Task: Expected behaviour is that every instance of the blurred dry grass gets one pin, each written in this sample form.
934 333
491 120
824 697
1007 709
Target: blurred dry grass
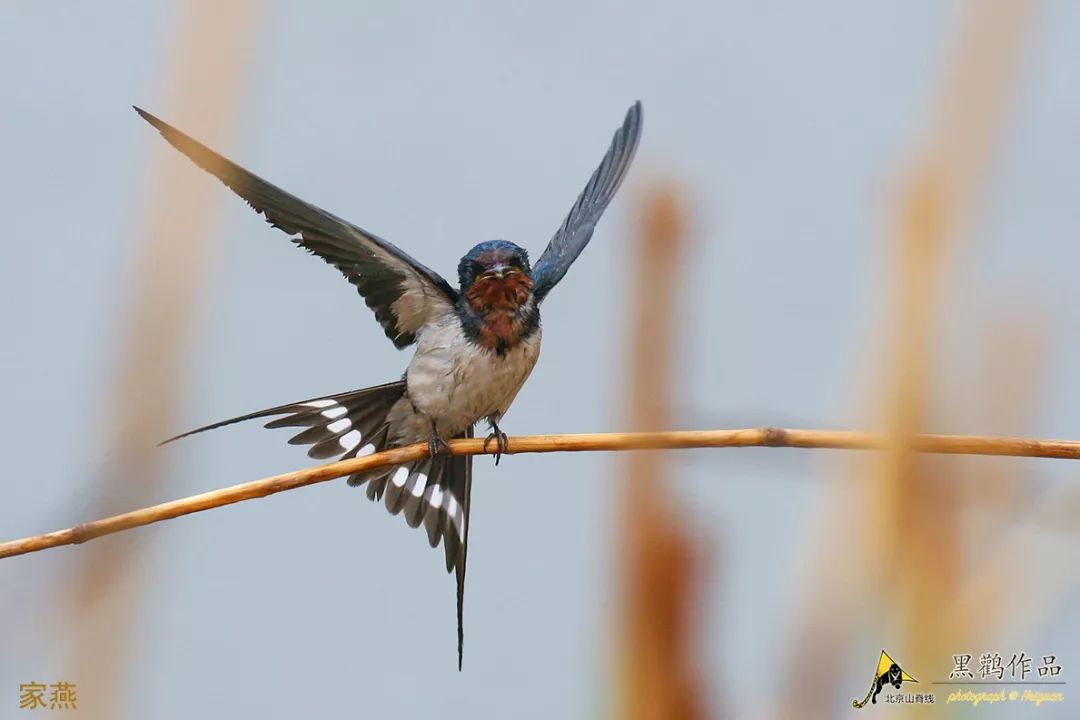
660 564
204 81
907 527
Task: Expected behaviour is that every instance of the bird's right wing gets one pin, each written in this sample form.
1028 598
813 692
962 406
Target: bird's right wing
576 230
403 293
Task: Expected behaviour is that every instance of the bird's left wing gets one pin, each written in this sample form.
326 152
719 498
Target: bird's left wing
403 293
574 234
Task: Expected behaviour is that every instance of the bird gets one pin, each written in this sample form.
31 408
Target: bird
476 344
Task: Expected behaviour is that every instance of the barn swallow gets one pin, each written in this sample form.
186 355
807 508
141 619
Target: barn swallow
475 345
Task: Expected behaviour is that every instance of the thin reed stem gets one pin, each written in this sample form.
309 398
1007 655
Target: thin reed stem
753 437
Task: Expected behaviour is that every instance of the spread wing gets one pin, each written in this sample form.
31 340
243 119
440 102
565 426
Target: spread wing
577 228
403 293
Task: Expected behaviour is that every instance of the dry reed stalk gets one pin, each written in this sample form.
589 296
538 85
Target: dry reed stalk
600 442
906 516
1008 507
989 495
659 563
922 507
204 81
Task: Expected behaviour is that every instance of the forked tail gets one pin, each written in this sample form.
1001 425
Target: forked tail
434 491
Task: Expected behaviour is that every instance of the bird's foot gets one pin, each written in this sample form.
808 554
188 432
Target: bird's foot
436 445
502 443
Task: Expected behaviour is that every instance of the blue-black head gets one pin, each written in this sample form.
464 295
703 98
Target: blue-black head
494 259
497 308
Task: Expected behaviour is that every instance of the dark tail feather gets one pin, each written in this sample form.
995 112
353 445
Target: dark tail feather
347 424
464 478
435 492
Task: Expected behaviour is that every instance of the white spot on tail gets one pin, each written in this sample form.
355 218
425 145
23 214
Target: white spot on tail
339 425
334 412
350 440
400 477
366 450
435 496
420 485
320 403
453 509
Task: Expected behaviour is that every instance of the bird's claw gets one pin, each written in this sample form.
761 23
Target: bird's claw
437 446
502 442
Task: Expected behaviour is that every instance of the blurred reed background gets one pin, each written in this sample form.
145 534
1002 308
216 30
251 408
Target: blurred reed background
915 547
925 556
909 551
659 674
210 57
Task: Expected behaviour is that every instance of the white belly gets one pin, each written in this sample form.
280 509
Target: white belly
456 383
